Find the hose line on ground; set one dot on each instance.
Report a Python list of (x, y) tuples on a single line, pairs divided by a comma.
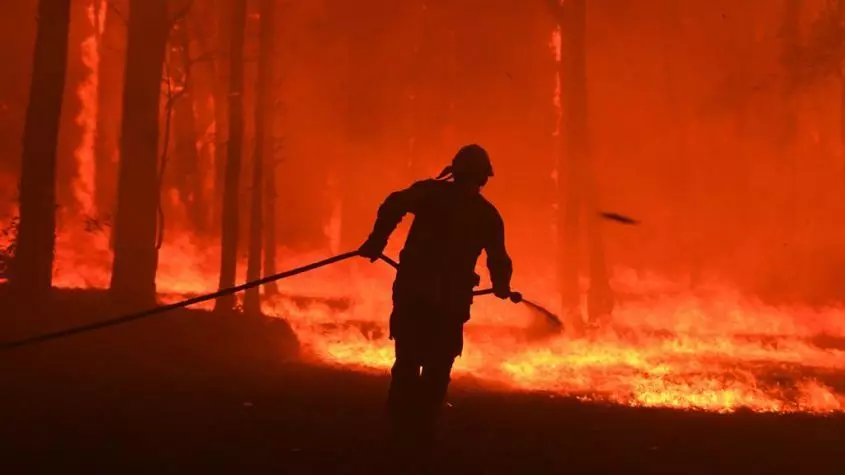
[(173, 306), (515, 297)]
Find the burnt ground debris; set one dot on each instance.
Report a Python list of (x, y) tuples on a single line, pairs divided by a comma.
[(196, 392)]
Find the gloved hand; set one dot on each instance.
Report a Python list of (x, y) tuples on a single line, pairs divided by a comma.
[(372, 248), (503, 293)]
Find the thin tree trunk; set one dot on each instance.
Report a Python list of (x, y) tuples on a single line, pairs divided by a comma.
[(203, 84), (600, 299), (221, 98), (573, 80), (186, 160), (269, 148), (271, 288), (32, 266), (109, 106), (135, 254), (252, 302), (229, 248), (187, 172)]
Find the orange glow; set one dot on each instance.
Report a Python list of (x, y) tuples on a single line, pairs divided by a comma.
[(84, 182), (711, 350)]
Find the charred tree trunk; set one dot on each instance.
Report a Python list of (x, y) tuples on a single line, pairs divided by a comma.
[(600, 300), (203, 83), (222, 66), (229, 247), (270, 150), (580, 196), (186, 160), (135, 254), (109, 87), (573, 80), (270, 289), (187, 171), (252, 302), (32, 266)]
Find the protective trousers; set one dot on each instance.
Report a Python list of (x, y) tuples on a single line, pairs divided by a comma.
[(416, 395)]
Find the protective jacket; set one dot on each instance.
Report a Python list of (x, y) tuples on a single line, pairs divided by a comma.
[(452, 226)]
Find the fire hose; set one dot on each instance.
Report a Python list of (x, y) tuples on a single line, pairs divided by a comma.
[(515, 297)]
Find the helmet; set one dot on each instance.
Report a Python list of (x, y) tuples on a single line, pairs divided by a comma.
[(471, 164)]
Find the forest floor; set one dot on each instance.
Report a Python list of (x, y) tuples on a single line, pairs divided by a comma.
[(196, 392)]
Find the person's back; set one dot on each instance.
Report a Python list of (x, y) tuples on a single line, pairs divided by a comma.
[(432, 293), (452, 226)]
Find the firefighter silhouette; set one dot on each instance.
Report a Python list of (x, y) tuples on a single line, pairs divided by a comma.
[(432, 294)]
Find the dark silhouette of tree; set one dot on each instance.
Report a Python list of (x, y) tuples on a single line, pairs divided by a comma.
[(571, 17), (263, 107), (204, 83), (111, 44), (229, 248), (577, 187), (32, 266), (222, 41), (135, 254), (272, 148), (187, 173)]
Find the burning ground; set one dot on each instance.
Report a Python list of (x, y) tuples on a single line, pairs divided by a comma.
[(710, 349), (192, 391)]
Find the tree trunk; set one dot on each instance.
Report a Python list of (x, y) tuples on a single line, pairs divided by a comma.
[(229, 247), (573, 132), (252, 302), (222, 84), (109, 86), (203, 83), (186, 160), (269, 149), (600, 300), (32, 267), (135, 254), (186, 169), (271, 288)]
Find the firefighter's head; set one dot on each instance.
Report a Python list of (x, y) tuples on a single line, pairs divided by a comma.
[(471, 166)]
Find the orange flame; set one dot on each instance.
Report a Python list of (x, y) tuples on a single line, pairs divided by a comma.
[(84, 184), (713, 349)]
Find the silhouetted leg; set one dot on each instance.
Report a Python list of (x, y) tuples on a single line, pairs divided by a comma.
[(434, 383), (402, 398)]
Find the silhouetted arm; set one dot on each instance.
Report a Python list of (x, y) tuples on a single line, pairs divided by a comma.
[(498, 261), (390, 214)]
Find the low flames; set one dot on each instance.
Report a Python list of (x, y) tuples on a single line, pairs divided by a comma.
[(712, 349)]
